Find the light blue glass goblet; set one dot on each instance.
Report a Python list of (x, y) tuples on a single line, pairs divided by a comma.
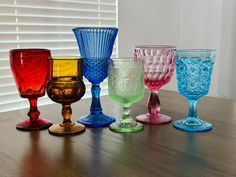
[(95, 45), (194, 70)]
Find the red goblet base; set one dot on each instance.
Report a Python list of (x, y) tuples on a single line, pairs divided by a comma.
[(38, 124), (154, 120)]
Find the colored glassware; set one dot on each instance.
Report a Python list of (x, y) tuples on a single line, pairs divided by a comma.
[(125, 86), (95, 45), (65, 86), (158, 70), (194, 70), (30, 69)]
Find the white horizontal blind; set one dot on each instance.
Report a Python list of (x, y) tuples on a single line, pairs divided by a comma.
[(46, 24)]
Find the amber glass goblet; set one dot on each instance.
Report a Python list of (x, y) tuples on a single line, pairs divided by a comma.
[(30, 69), (65, 86)]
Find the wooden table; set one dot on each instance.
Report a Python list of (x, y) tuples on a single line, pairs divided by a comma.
[(158, 151)]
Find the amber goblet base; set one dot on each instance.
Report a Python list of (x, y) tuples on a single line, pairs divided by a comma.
[(64, 129)]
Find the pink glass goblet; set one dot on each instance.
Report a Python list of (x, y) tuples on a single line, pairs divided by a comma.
[(158, 71)]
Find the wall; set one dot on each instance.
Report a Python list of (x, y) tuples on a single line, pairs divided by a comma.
[(186, 24)]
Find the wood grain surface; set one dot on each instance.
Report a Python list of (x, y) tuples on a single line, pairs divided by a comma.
[(157, 151)]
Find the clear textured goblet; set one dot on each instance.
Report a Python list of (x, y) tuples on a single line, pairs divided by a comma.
[(194, 70), (95, 45), (30, 69), (158, 71), (125, 86), (65, 86)]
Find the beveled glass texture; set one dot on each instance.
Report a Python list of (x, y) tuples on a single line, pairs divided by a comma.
[(95, 45), (65, 86), (194, 69), (125, 86), (30, 69), (158, 71)]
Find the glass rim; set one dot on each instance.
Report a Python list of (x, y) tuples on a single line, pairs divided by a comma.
[(155, 47), (195, 50), (65, 57), (127, 60), (91, 27), (29, 49)]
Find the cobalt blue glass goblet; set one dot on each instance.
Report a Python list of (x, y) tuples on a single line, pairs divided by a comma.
[(194, 70), (95, 45)]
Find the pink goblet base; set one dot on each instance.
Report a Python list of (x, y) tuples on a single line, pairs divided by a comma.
[(154, 120), (37, 124)]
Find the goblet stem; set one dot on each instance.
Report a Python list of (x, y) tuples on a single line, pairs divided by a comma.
[(192, 122), (67, 126), (66, 113), (126, 123), (33, 112), (192, 118), (96, 105), (126, 118), (154, 105), (193, 108), (34, 123)]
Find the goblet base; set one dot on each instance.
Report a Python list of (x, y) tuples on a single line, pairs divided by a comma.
[(57, 129), (126, 127), (157, 120), (96, 120), (192, 124), (37, 124)]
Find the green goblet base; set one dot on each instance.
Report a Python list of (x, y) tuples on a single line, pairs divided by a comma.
[(126, 127)]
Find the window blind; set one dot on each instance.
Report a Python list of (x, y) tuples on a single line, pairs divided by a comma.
[(46, 24)]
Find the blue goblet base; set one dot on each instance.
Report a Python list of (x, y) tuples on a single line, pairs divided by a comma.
[(192, 124), (96, 120)]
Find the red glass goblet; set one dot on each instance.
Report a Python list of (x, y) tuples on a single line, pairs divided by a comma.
[(30, 69), (158, 70)]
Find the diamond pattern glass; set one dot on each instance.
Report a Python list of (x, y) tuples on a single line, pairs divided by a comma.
[(194, 69), (95, 45), (158, 71)]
